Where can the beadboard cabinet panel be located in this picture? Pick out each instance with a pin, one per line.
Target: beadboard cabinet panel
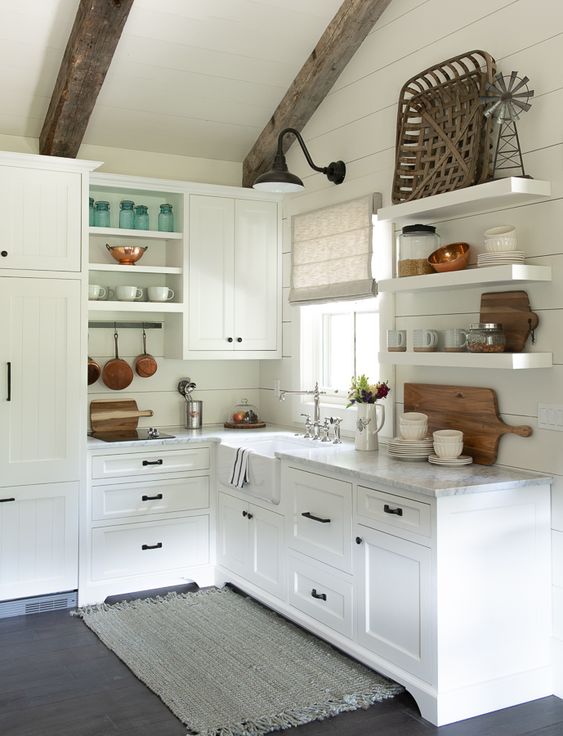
(38, 539)
(40, 371)
(40, 212)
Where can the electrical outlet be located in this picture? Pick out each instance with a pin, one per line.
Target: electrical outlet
(550, 416)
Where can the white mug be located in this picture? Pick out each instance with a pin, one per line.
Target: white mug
(455, 340)
(424, 340)
(95, 291)
(128, 293)
(160, 294)
(396, 341)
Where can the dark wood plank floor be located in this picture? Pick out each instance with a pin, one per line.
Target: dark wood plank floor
(58, 679)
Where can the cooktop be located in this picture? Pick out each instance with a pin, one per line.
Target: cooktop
(131, 435)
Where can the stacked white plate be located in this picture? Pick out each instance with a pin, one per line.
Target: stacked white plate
(401, 449)
(501, 258)
(451, 462)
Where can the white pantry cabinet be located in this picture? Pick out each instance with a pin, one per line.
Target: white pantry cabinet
(250, 542)
(38, 539)
(234, 294)
(40, 380)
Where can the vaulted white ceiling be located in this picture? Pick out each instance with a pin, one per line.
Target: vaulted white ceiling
(191, 77)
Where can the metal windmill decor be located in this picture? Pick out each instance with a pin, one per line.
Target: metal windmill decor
(506, 99)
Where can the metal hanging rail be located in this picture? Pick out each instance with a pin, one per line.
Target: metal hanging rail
(125, 325)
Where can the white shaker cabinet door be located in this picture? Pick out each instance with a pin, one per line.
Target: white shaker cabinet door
(266, 549)
(233, 534)
(211, 272)
(38, 539)
(394, 600)
(40, 216)
(40, 381)
(256, 275)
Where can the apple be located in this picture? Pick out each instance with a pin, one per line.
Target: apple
(238, 417)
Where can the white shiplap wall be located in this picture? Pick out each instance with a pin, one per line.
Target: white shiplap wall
(356, 122)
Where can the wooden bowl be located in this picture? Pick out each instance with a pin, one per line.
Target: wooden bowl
(126, 255)
(452, 257)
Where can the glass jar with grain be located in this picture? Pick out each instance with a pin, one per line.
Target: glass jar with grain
(486, 337)
(416, 243)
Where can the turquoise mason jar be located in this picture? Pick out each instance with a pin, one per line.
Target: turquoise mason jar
(126, 214)
(101, 214)
(166, 219)
(141, 217)
(91, 212)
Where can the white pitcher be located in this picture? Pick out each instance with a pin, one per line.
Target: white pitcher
(367, 427)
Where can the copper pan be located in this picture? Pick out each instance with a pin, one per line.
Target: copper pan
(117, 374)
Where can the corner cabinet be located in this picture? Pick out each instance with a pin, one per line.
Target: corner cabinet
(234, 278)
(500, 193)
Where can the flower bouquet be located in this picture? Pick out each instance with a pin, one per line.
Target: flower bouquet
(365, 395)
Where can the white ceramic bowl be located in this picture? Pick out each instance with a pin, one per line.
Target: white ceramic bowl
(413, 416)
(500, 239)
(413, 431)
(447, 434)
(448, 450)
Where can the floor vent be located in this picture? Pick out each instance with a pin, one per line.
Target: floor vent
(41, 604)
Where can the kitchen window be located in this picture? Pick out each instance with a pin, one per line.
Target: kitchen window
(339, 340)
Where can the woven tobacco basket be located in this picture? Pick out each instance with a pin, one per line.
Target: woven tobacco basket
(444, 142)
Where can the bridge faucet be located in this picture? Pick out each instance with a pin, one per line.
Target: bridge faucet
(316, 394)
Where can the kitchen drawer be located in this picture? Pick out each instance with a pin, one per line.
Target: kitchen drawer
(397, 513)
(121, 551)
(150, 462)
(154, 497)
(322, 593)
(319, 522)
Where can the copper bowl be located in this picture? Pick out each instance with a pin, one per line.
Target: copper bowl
(452, 257)
(126, 255)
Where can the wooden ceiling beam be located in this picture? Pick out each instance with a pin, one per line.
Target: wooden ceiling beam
(339, 42)
(96, 31)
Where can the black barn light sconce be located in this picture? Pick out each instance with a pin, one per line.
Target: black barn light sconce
(279, 179)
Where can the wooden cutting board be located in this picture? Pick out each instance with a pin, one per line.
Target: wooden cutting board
(116, 416)
(472, 410)
(512, 309)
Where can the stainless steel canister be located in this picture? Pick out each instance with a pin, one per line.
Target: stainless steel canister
(194, 414)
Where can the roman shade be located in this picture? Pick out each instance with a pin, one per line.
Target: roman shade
(332, 252)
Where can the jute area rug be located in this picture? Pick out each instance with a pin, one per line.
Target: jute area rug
(227, 666)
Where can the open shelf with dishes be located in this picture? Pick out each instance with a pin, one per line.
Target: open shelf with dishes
(502, 193)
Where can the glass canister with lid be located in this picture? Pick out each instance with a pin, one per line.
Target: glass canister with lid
(486, 337)
(416, 243)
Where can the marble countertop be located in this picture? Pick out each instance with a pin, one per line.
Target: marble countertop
(344, 461)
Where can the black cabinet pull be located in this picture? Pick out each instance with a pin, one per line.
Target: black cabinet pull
(309, 515)
(319, 596)
(359, 540)
(4, 253)
(158, 497)
(6, 500)
(9, 370)
(239, 339)
(158, 545)
(153, 462)
(250, 516)
(229, 339)
(388, 510)
(245, 513)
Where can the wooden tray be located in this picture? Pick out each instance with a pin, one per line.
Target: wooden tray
(512, 309)
(116, 416)
(232, 425)
(472, 410)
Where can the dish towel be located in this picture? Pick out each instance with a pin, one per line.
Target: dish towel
(239, 476)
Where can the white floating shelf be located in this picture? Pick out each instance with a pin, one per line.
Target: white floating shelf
(115, 267)
(511, 361)
(489, 276)
(120, 232)
(496, 194)
(113, 306)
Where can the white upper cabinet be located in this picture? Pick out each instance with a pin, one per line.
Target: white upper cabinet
(234, 279)
(40, 212)
(40, 380)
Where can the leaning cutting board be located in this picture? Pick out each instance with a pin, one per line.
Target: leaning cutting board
(512, 309)
(472, 410)
(115, 416)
